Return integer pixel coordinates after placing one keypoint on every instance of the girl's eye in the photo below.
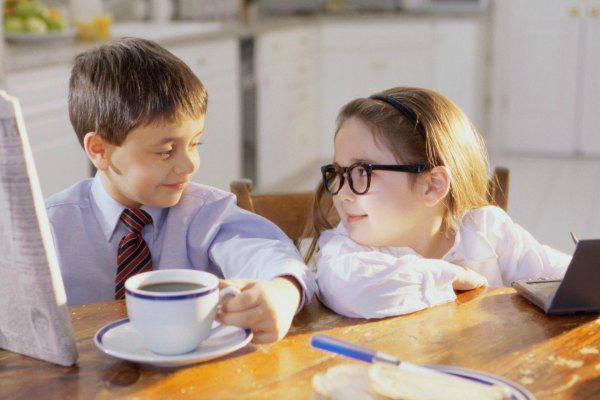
(361, 171)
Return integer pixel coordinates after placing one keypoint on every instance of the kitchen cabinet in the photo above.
(360, 58)
(547, 77)
(216, 63)
(590, 116)
(286, 65)
(59, 159)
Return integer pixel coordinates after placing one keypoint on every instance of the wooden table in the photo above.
(491, 330)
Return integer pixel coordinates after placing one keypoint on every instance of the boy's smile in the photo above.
(154, 163)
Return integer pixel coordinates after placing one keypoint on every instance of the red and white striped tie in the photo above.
(133, 254)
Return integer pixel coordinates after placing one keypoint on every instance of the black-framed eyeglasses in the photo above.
(359, 175)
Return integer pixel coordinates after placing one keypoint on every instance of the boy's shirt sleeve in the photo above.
(520, 255)
(246, 245)
(363, 282)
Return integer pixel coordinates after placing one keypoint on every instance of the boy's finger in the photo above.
(236, 282)
(249, 298)
(264, 337)
(245, 319)
(265, 325)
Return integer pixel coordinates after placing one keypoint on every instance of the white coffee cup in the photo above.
(174, 322)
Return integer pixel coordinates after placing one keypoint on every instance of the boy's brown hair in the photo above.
(128, 83)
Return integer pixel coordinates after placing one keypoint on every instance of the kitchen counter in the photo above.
(19, 57)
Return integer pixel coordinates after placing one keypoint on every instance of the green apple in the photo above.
(56, 21)
(14, 24)
(56, 24)
(26, 9)
(36, 25)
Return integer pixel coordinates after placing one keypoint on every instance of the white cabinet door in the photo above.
(360, 59)
(459, 54)
(539, 66)
(217, 65)
(287, 101)
(590, 126)
(59, 158)
(60, 161)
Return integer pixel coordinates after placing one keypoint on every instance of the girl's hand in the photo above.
(467, 279)
(266, 307)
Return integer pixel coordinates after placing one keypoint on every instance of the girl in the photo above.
(409, 183)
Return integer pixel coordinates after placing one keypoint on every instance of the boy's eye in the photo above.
(196, 143)
(164, 154)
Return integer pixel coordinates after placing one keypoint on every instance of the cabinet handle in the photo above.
(574, 11)
(595, 11)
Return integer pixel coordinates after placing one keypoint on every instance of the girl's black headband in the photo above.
(405, 111)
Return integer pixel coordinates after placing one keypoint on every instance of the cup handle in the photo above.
(228, 291)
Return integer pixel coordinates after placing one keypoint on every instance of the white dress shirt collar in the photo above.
(108, 210)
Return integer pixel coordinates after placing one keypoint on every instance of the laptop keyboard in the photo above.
(544, 289)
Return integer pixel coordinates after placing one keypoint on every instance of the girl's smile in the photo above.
(355, 218)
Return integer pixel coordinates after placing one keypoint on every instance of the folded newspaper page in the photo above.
(34, 318)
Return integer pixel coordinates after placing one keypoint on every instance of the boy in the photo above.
(138, 112)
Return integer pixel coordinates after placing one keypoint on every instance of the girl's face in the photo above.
(388, 214)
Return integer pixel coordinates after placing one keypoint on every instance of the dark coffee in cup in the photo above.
(168, 287)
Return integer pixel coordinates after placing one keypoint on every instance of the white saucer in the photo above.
(120, 339)
(518, 392)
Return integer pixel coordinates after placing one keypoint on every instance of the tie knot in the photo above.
(135, 219)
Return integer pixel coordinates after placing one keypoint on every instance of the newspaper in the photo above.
(34, 318)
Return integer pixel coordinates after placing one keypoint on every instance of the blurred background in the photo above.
(527, 72)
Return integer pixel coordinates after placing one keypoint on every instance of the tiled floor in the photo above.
(548, 196)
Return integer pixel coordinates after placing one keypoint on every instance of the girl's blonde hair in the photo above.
(445, 137)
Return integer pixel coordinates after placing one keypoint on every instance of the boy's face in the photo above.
(154, 163)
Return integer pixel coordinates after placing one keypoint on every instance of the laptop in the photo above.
(577, 292)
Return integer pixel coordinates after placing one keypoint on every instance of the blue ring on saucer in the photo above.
(519, 393)
(170, 297)
(108, 327)
(105, 329)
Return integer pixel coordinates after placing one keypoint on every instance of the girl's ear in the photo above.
(437, 185)
(97, 150)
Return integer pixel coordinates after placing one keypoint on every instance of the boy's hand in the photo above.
(467, 279)
(266, 307)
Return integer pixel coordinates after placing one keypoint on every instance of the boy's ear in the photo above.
(96, 148)
(437, 185)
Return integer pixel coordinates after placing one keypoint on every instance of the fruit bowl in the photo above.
(32, 37)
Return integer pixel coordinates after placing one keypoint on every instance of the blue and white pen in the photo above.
(350, 350)
(340, 347)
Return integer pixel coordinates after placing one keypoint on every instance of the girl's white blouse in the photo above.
(375, 282)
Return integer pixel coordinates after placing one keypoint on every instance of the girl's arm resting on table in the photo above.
(521, 256)
(371, 284)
